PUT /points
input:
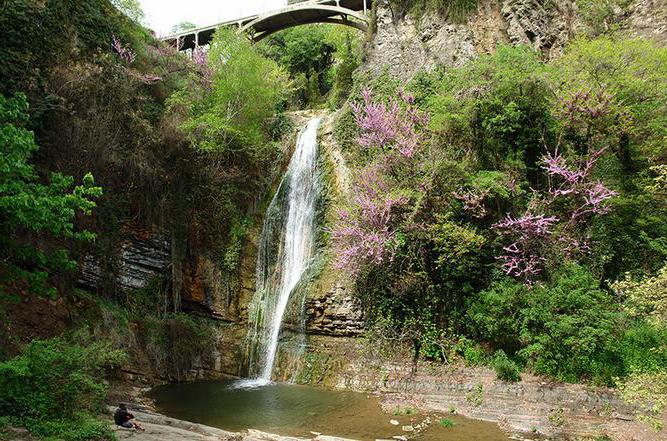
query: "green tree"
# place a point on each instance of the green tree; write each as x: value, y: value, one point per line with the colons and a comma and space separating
x: 231, y: 114
x: 348, y: 63
x: 30, y: 208
x: 306, y: 53
x: 131, y: 8
x: 498, y: 105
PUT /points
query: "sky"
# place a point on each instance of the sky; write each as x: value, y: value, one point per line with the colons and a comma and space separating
x: 161, y: 15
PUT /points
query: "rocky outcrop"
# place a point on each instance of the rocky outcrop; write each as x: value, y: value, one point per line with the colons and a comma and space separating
x: 404, y: 45
x: 545, y: 25
x: 648, y: 19
x: 141, y: 257
x: 334, y: 313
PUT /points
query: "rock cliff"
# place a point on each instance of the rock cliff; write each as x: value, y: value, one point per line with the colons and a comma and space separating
x: 402, y: 44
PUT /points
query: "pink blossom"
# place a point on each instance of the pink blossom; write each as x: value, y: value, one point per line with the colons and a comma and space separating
x: 124, y: 51
x: 529, y: 232
x: 390, y: 125
x: 365, y: 232
x: 200, y: 58
x: 533, y: 234
x: 586, y: 104
x: 589, y: 197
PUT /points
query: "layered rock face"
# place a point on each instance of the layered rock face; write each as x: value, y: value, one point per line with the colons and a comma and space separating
x: 648, y: 19
x: 334, y: 313
x: 403, y: 45
x: 141, y: 257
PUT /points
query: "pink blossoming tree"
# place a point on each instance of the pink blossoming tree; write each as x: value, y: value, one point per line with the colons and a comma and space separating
x: 367, y: 229
x: 391, y: 125
x: 200, y: 58
x: 534, y: 234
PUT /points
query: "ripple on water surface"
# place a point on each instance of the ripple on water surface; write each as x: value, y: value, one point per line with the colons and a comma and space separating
x: 294, y: 410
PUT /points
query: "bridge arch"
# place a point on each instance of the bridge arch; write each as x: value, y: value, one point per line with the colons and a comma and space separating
x: 303, y: 13
x: 352, y: 13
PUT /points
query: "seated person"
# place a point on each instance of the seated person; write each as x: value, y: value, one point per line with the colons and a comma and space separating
x: 122, y: 418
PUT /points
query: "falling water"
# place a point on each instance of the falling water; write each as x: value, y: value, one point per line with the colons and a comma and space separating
x: 285, y: 251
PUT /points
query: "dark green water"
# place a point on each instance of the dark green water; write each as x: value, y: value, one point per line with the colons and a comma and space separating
x: 293, y: 410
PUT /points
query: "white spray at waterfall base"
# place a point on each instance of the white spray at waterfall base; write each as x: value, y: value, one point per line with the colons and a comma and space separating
x: 286, y: 249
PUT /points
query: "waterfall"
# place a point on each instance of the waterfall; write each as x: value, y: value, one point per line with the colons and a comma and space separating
x: 286, y: 248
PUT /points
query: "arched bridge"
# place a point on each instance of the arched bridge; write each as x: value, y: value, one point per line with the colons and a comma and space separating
x: 352, y: 13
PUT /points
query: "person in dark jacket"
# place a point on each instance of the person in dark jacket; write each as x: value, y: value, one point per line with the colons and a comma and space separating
x: 123, y: 418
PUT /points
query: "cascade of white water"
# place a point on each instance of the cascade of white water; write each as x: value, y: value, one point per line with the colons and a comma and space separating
x: 286, y: 249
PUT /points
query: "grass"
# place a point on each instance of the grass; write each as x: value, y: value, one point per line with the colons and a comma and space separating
x: 446, y: 422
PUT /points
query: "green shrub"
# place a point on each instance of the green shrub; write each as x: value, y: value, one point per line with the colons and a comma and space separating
x: 78, y: 427
x: 472, y: 353
x: 230, y: 115
x: 498, y: 105
x: 643, y: 348
x: 647, y: 391
x: 55, y: 378
x: 54, y: 386
x: 567, y: 329
x: 506, y: 369
x: 570, y: 328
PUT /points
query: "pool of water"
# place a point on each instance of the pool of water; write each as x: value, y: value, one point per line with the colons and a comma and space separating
x: 293, y: 410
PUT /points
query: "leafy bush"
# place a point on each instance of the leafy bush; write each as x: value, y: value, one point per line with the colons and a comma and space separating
x: 648, y: 391
x: 233, y: 111
x: 34, y: 41
x: 54, y: 385
x: 473, y: 354
x: 643, y: 348
x: 77, y: 427
x: 645, y: 298
x: 506, y: 369
x: 497, y: 105
x: 566, y: 329
x: 570, y: 328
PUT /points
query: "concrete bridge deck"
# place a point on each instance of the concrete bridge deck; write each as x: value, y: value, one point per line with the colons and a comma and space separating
x: 352, y: 13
